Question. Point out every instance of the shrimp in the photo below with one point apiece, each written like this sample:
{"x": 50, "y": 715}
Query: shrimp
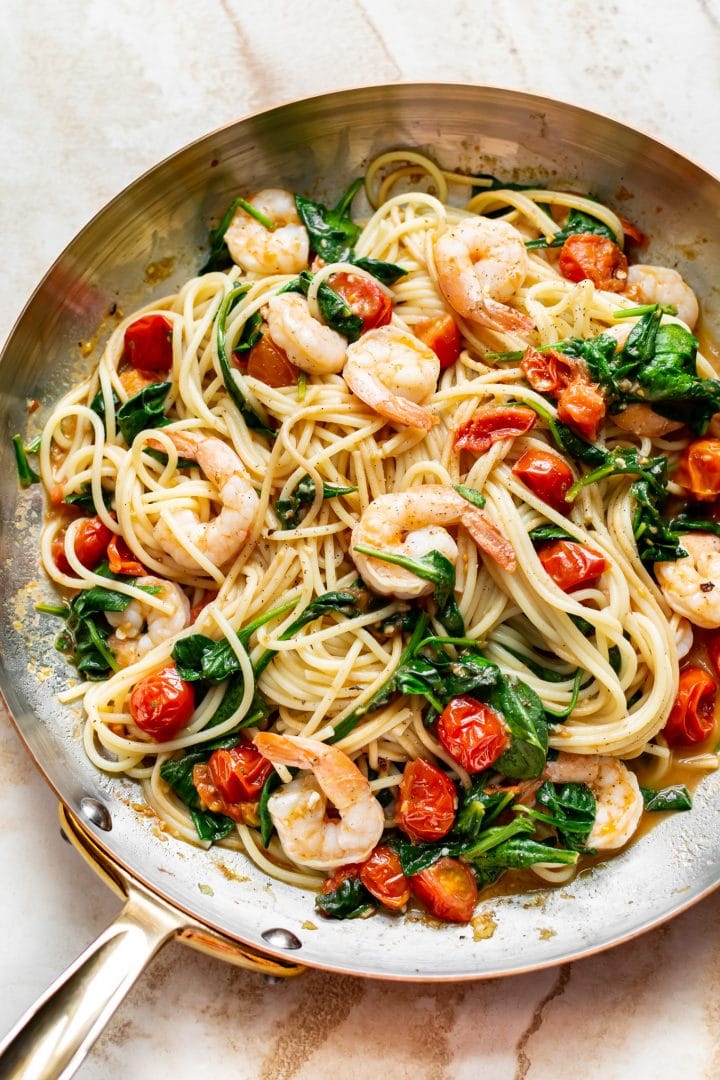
{"x": 128, "y": 642}
{"x": 691, "y": 585}
{"x": 297, "y": 810}
{"x": 616, "y": 790}
{"x": 309, "y": 344}
{"x": 412, "y": 524}
{"x": 481, "y": 263}
{"x": 221, "y": 538}
{"x": 661, "y": 285}
{"x": 394, "y": 373}
{"x": 283, "y": 250}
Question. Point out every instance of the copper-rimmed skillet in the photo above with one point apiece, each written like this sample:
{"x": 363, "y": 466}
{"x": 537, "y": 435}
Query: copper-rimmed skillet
{"x": 310, "y": 146}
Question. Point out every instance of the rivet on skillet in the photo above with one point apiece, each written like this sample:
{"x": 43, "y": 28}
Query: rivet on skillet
{"x": 283, "y": 939}
{"x": 96, "y": 813}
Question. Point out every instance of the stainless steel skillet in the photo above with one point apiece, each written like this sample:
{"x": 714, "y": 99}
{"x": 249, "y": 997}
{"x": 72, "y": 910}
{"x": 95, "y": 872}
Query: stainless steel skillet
{"x": 313, "y": 146}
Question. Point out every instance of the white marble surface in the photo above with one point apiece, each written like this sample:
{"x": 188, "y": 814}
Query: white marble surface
{"x": 92, "y": 92}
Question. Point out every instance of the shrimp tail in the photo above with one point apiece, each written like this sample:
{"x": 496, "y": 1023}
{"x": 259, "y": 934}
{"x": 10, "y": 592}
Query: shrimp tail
{"x": 490, "y": 540}
{"x": 497, "y": 316}
{"x": 402, "y": 411}
{"x": 280, "y": 750}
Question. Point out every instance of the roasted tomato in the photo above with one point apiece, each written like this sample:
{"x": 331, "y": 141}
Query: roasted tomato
{"x": 201, "y": 605}
{"x": 269, "y": 363}
{"x": 570, "y": 564}
{"x": 91, "y": 542}
{"x": 364, "y": 297}
{"x": 548, "y": 372}
{"x": 586, "y": 255}
{"x": 581, "y": 406}
{"x": 427, "y": 801}
{"x": 489, "y": 425}
{"x": 239, "y": 774}
{"x": 447, "y": 890}
{"x": 134, "y": 380}
{"x": 699, "y": 468}
{"x": 161, "y": 704}
{"x": 343, "y": 873}
{"x": 148, "y": 343}
{"x": 473, "y": 733}
{"x": 122, "y": 560}
{"x": 442, "y": 336}
{"x": 547, "y": 476}
{"x": 692, "y": 717}
{"x": 383, "y": 878}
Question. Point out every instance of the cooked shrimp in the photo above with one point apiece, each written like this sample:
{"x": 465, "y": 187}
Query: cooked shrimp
{"x": 413, "y": 523}
{"x": 297, "y": 810}
{"x": 481, "y": 263}
{"x": 309, "y": 344}
{"x": 394, "y": 373}
{"x": 661, "y": 285}
{"x": 691, "y": 585}
{"x": 283, "y": 250}
{"x": 128, "y": 642}
{"x": 616, "y": 790}
{"x": 222, "y": 537}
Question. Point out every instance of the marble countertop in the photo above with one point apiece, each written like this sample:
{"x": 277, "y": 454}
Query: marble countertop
{"x": 93, "y": 92}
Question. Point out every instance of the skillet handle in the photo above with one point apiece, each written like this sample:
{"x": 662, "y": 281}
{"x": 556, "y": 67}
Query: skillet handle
{"x": 52, "y": 1039}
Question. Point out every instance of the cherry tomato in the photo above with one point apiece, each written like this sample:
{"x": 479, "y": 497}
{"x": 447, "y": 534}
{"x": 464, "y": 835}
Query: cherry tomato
{"x": 201, "y": 605}
{"x": 692, "y": 717}
{"x": 442, "y": 336}
{"x": 586, "y": 255}
{"x": 91, "y": 541}
{"x": 699, "y": 468}
{"x": 239, "y": 774}
{"x": 547, "y": 476}
{"x": 244, "y": 812}
{"x": 269, "y": 363}
{"x": 122, "y": 560}
{"x": 570, "y": 564}
{"x": 364, "y": 298}
{"x": 447, "y": 889}
{"x": 473, "y": 733}
{"x": 342, "y": 873}
{"x": 162, "y": 703}
{"x": 427, "y": 801}
{"x": 548, "y": 372}
{"x": 383, "y": 878}
{"x": 134, "y": 380}
{"x": 148, "y": 343}
{"x": 581, "y": 406}
{"x": 489, "y": 425}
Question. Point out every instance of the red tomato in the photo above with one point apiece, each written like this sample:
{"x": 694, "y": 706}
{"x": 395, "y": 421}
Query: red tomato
{"x": 692, "y": 717}
{"x": 491, "y": 424}
{"x": 383, "y": 878}
{"x": 91, "y": 541}
{"x": 581, "y": 406}
{"x": 427, "y": 801}
{"x": 162, "y": 703}
{"x": 442, "y": 336}
{"x": 269, "y": 363}
{"x": 134, "y": 380}
{"x": 364, "y": 298}
{"x": 201, "y": 605}
{"x": 239, "y": 774}
{"x": 122, "y": 560}
{"x": 148, "y": 343}
{"x": 548, "y": 372}
{"x": 699, "y": 468}
{"x": 473, "y": 733}
{"x": 586, "y": 255}
{"x": 343, "y": 873}
{"x": 547, "y": 476}
{"x": 570, "y": 564}
{"x": 244, "y": 812}
{"x": 447, "y": 889}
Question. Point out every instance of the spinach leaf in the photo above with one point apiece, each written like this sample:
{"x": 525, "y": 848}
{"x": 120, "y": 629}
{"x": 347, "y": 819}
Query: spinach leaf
{"x": 566, "y": 440}
{"x": 259, "y": 709}
{"x": 335, "y": 311}
{"x": 266, "y": 823}
{"x": 549, "y": 532}
{"x": 570, "y": 809}
{"x": 142, "y": 411}
{"x": 200, "y": 657}
{"x": 478, "y": 807}
{"x": 219, "y": 257}
{"x": 474, "y": 497}
{"x": 577, "y": 222}
{"x": 332, "y": 232}
{"x": 676, "y": 797}
{"x": 98, "y": 404}
{"x": 386, "y": 272}
{"x": 432, "y": 567}
{"x": 82, "y": 498}
{"x": 26, "y": 474}
{"x": 177, "y": 772}
{"x": 350, "y": 900}
{"x": 684, "y": 523}
{"x": 521, "y": 852}
{"x": 233, "y": 379}
{"x": 292, "y": 510}
{"x": 414, "y": 858}
{"x": 249, "y": 335}
{"x": 524, "y": 715}
{"x": 346, "y": 602}
{"x": 657, "y": 540}
{"x": 556, "y": 715}
{"x": 210, "y": 826}
{"x": 542, "y": 672}
{"x": 622, "y": 461}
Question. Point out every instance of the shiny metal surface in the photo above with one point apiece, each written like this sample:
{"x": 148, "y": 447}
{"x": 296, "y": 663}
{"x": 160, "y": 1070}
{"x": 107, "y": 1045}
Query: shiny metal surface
{"x": 316, "y": 146}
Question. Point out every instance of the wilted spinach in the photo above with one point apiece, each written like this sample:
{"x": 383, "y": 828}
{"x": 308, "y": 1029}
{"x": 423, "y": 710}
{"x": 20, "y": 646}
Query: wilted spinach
{"x": 577, "y": 222}
{"x": 292, "y": 510}
{"x": 142, "y": 411}
{"x": 676, "y": 797}
{"x": 350, "y": 900}
{"x": 435, "y": 568}
{"x": 233, "y": 379}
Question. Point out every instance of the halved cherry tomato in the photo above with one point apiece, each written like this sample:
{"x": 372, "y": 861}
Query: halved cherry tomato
{"x": 548, "y": 372}
{"x": 201, "y": 605}
{"x": 342, "y": 873}
{"x": 122, "y": 560}
{"x": 243, "y": 811}
{"x": 570, "y": 564}
{"x": 489, "y": 425}
{"x": 162, "y": 703}
{"x": 547, "y": 476}
{"x": 442, "y": 336}
{"x": 581, "y": 406}
{"x": 364, "y": 298}
{"x": 269, "y": 363}
{"x": 239, "y": 774}
{"x": 134, "y": 380}
{"x": 472, "y": 733}
{"x": 692, "y": 717}
{"x": 383, "y": 878}
{"x": 427, "y": 801}
{"x": 699, "y": 468}
{"x": 91, "y": 541}
{"x": 447, "y": 889}
{"x": 148, "y": 343}
{"x": 586, "y": 255}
